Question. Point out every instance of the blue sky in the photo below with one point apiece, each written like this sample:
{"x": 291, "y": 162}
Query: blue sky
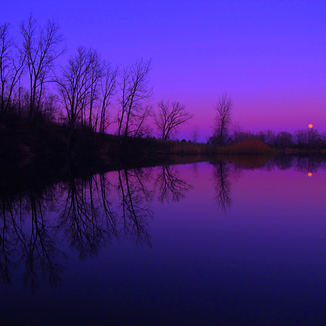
{"x": 268, "y": 55}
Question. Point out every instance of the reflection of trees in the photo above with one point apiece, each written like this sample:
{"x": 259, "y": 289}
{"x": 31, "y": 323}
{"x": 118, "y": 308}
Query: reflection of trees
{"x": 80, "y": 218}
{"x": 299, "y": 163}
{"x": 284, "y": 162}
{"x": 91, "y": 214}
{"x": 222, "y": 175}
{"x": 8, "y": 239}
{"x": 309, "y": 164}
{"x": 40, "y": 246}
{"x": 170, "y": 185}
{"x": 225, "y": 173}
{"x": 134, "y": 208}
{"x": 33, "y": 243}
{"x": 103, "y": 190}
{"x": 87, "y": 218}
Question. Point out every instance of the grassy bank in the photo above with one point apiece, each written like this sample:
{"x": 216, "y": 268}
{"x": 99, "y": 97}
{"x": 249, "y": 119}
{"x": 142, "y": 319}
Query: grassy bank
{"x": 161, "y": 147}
{"x": 27, "y": 142}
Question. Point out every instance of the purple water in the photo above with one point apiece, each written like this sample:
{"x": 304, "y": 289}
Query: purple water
{"x": 196, "y": 244}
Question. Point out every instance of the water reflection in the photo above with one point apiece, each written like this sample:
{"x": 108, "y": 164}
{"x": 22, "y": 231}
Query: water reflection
{"x": 39, "y": 251}
{"x": 298, "y": 163}
{"x": 169, "y": 184}
{"x": 93, "y": 212}
{"x": 89, "y": 214}
{"x": 135, "y": 210}
{"x": 81, "y": 219}
{"x": 222, "y": 182}
{"x": 34, "y": 245}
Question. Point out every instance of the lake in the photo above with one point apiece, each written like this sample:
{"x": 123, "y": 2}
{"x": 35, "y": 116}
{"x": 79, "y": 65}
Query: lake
{"x": 224, "y": 242}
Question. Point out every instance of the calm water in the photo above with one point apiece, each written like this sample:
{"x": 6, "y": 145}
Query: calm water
{"x": 200, "y": 244}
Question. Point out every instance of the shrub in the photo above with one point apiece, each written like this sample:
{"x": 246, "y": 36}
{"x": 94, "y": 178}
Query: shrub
{"x": 249, "y": 146}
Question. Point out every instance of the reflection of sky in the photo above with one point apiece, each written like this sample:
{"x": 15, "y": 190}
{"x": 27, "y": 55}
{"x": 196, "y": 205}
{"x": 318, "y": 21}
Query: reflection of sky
{"x": 263, "y": 261}
{"x": 287, "y": 195}
{"x": 268, "y": 55}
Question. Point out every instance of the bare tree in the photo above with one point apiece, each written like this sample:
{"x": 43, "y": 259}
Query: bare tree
{"x": 138, "y": 127}
{"x": 170, "y": 117}
{"x": 135, "y": 93}
{"x": 284, "y": 139}
{"x": 308, "y": 138}
{"x": 78, "y": 85}
{"x": 108, "y": 90}
{"x": 11, "y": 67}
{"x": 41, "y": 51}
{"x": 270, "y": 137}
{"x": 223, "y": 119}
{"x": 50, "y": 107}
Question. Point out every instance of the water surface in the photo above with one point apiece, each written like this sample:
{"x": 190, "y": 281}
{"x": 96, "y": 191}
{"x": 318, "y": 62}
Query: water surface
{"x": 214, "y": 243}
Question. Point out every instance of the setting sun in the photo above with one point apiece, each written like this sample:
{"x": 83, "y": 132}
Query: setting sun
{"x": 310, "y": 174}
{"x": 310, "y": 125}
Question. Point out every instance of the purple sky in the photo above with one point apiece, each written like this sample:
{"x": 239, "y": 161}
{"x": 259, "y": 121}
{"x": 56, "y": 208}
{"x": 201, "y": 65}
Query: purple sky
{"x": 268, "y": 55}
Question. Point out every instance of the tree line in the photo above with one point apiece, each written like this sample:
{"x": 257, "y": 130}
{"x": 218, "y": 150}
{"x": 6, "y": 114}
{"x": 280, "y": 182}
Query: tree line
{"x": 80, "y": 93}
{"x": 227, "y": 132}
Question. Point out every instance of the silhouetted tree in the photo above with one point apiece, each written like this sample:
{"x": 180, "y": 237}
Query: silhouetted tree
{"x": 135, "y": 93}
{"x": 267, "y": 136}
{"x": 270, "y": 137}
{"x": 41, "y": 51}
{"x": 12, "y": 62}
{"x": 308, "y": 138}
{"x": 107, "y": 91}
{"x": 284, "y": 139}
{"x": 223, "y": 119}
{"x": 50, "y": 107}
{"x": 77, "y": 84}
{"x": 170, "y": 117}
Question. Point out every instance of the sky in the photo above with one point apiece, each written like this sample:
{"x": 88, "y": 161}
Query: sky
{"x": 269, "y": 56}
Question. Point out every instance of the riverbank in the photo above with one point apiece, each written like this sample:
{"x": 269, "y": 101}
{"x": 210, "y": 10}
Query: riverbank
{"x": 24, "y": 142}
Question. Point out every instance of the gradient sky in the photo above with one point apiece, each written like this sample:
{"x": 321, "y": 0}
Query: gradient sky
{"x": 268, "y": 55}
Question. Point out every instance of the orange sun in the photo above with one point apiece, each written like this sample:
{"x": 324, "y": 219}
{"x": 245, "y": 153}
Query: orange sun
{"x": 310, "y": 125}
{"x": 310, "y": 174}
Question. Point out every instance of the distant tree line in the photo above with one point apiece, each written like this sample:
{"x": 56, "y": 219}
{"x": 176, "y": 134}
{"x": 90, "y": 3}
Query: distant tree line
{"x": 227, "y": 132}
{"x": 308, "y": 138}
